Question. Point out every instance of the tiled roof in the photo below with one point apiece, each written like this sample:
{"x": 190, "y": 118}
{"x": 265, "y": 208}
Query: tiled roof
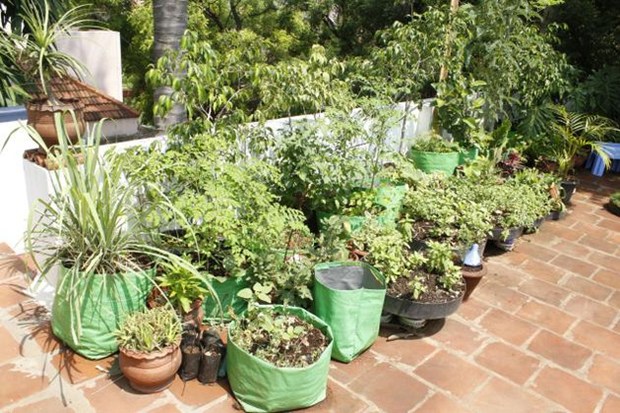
{"x": 97, "y": 105}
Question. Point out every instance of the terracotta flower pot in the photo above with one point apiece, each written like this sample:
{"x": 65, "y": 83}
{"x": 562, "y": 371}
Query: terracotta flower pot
{"x": 472, "y": 276}
{"x": 41, "y": 117}
{"x": 150, "y": 372}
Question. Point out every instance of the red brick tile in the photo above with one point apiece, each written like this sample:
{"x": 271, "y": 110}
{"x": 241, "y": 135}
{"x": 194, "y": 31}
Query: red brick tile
{"x": 612, "y": 404}
{"x": 35, "y": 320}
{"x": 12, "y": 266}
{"x": 574, "y": 394}
{"x": 472, "y": 309}
{"x": 500, "y": 296}
{"x": 347, "y": 372}
{"x": 588, "y": 228}
{"x": 544, "y": 291}
{"x": 170, "y": 408}
{"x": 508, "y": 361}
{"x": 606, "y": 373}
{"x": 20, "y": 381}
{"x": 459, "y": 337}
{"x": 12, "y": 293}
{"x": 574, "y": 249}
{"x": 599, "y": 244}
{"x": 115, "y": 395}
{"x": 575, "y": 265}
{"x": 610, "y": 224}
{"x": 559, "y": 230}
{"x": 193, "y": 393}
{"x": 507, "y": 326}
{"x": 543, "y": 271}
{"x": 588, "y": 309}
{"x": 9, "y": 348}
{"x": 377, "y": 385}
{"x": 451, "y": 373}
{"x": 597, "y": 338}
{"x": 229, "y": 405}
{"x": 614, "y": 300}
{"x": 586, "y": 287}
{"x": 532, "y": 249}
{"x": 604, "y": 260}
{"x": 500, "y": 396}
{"x": 559, "y": 350}
{"x": 410, "y": 352}
{"x": 504, "y": 274}
{"x": 338, "y": 400}
{"x": 50, "y": 405}
{"x": 76, "y": 369}
{"x": 440, "y": 403}
{"x": 543, "y": 315}
{"x": 512, "y": 259}
{"x": 608, "y": 277}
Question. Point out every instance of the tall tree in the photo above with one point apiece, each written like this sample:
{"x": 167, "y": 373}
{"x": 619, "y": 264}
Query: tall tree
{"x": 169, "y": 22}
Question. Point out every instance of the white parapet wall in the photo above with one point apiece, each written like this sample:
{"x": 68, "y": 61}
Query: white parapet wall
{"x": 100, "y": 52}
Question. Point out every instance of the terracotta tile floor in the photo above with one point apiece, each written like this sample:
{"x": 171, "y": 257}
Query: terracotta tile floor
{"x": 540, "y": 334}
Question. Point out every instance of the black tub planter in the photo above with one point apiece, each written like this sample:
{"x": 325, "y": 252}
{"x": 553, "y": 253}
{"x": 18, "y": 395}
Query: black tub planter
{"x": 260, "y": 386}
{"x": 535, "y": 226}
{"x": 408, "y": 310}
{"x": 508, "y": 242}
{"x": 568, "y": 189}
{"x": 556, "y": 215}
{"x": 613, "y": 208}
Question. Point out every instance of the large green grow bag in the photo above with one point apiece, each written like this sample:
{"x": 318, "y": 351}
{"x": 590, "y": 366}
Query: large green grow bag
{"x": 349, "y": 297}
{"x": 88, "y": 308}
{"x": 445, "y": 162}
{"x": 227, "y": 293}
{"x": 262, "y": 387}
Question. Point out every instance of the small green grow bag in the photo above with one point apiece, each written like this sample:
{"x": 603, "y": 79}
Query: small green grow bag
{"x": 468, "y": 155}
{"x": 88, "y": 308}
{"x": 445, "y": 162}
{"x": 262, "y": 387}
{"x": 349, "y": 297}
{"x": 227, "y": 293}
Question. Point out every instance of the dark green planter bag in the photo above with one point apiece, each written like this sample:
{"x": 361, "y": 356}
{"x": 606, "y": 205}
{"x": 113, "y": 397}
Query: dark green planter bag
{"x": 349, "y": 297}
{"x": 445, "y": 162}
{"x": 262, "y": 387}
{"x": 227, "y": 293}
{"x": 88, "y": 308}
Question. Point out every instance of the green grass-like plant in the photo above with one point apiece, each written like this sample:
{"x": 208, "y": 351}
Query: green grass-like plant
{"x": 150, "y": 330}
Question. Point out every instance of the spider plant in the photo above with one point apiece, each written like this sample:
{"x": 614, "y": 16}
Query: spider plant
{"x": 574, "y": 133}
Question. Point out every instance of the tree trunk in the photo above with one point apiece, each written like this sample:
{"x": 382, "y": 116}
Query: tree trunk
{"x": 169, "y": 22}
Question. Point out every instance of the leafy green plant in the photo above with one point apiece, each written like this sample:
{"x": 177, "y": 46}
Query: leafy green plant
{"x": 182, "y": 287}
{"x": 150, "y": 330}
{"x": 417, "y": 287}
{"x": 33, "y": 56}
{"x": 615, "y": 199}
{"x": 434, "y": 143}
{"x": 281, "y": 339}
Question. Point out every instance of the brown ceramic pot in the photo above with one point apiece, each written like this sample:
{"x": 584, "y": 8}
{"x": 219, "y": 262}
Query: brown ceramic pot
{"x": 150, "y": 372}
{"x": 472, "y": 276}
{"x": 41, "y": 118}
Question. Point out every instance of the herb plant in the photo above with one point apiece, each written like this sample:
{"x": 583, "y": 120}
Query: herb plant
{"x": 150, "y": 330}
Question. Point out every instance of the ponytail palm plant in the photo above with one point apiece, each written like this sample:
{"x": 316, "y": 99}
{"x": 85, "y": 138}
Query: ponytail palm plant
{"x": 574, "y": 133}
{"x": 92, "y": 228}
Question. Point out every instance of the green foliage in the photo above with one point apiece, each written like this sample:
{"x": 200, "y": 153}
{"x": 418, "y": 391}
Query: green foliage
{"x": 615, "y": 199}
{"x": 279, "y": 339}
{"x": 150, "y": 330}
{"x": 434, "y": 143}
{"x": 600, "y": 93}
{"x": 417, "y": 287}
{"x": 182, "y": 287}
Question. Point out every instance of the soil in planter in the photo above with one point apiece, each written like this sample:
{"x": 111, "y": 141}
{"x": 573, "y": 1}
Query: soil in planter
{"x": 273, "y": 347}
{"x": 400, "y": 288}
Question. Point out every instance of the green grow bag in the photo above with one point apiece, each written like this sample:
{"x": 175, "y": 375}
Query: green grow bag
{"x": 227, "y": 293}
{"x": 388, "y": 196}
{"x": 468, "y": 155}
{"x": 445, "y": 162}
{"x": 349, "y": 297}
{"x": 262, "y": 387}
{"x": 88, "y": 308}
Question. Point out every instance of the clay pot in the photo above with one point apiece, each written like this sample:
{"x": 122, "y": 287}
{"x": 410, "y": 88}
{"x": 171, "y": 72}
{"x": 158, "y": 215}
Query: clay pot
{"x": 472, "y": 276}
{"x": 150, "y": 372}
{"x": 41, "y": 117}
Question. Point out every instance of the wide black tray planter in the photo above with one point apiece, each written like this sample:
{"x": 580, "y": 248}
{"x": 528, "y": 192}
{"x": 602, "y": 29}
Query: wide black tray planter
{"x": 421, "y": 311}
{"x": 613, "y": 208}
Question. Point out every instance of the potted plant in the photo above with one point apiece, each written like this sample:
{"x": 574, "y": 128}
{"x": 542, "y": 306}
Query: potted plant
{"x": 614, "y": 203}
{"x": 473, "y": 270}
{"x": 432, "y": 289}
{"x": 433, "y": 153}
{"x": 278, "y": 358}
{"x": 149, "y": 354}
{"x": 92, "y": 229}
{"x": 572, "y": 134}
{"x": 37, "y": 62}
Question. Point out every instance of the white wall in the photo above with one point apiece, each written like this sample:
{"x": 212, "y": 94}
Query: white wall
{"x": 100, "y": 52}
